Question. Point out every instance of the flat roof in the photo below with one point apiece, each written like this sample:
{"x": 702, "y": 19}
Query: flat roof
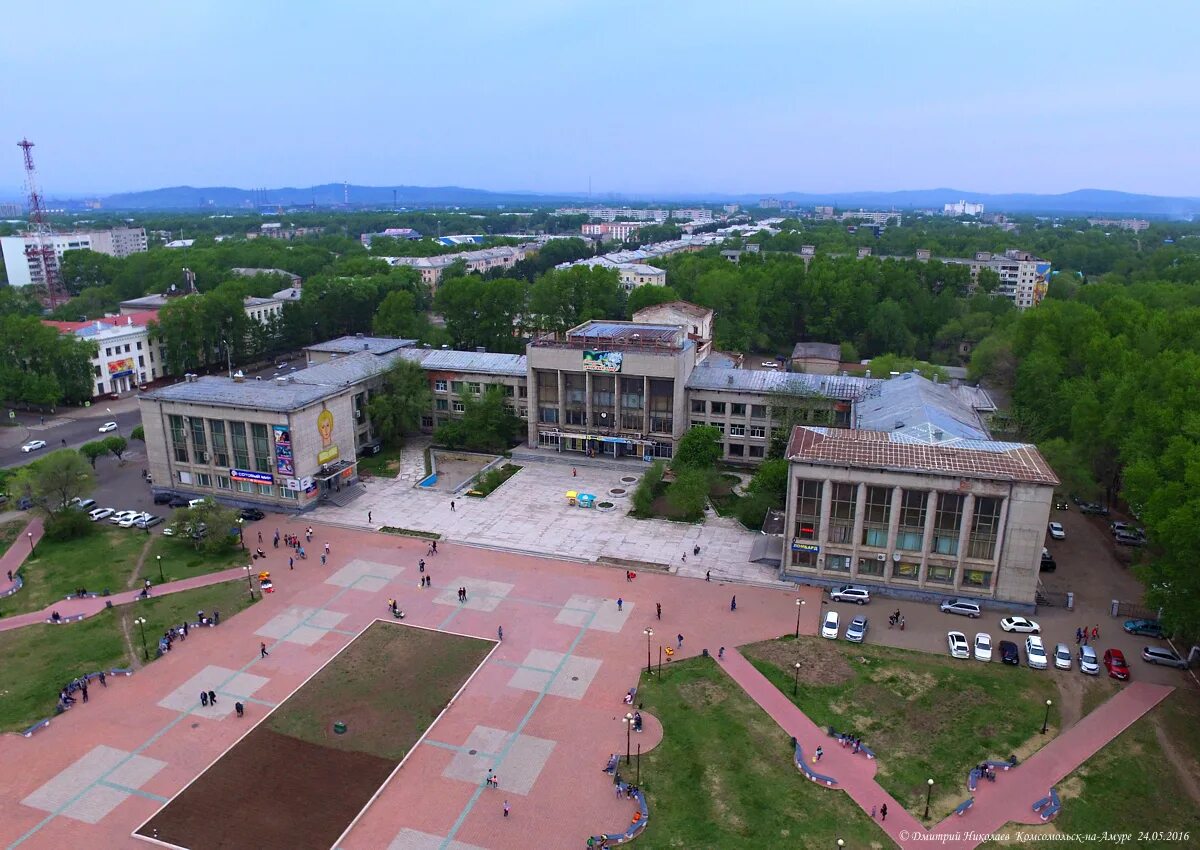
{"x": 476, "y": 362}
{"x": 351, "y": 344}
{"x": 626, "y": 332}
{"x": 279, "y": 396}
{"x": 825, "y": 350}
{"x": 985, "y": 459}
{"x": 765, "y": 381}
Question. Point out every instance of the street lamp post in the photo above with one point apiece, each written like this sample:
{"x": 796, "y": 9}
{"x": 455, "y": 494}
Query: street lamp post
{"x": 841, "y": 843}
{"x": 161, "y": 579}
{"x": 32, "y": 546}
{"x": 250, "y": 581}
{"x": 1046, "y": 720}
{"x": 660, "y": 659}
{"x": 141, "y": 621}
{"x": 799, "y": 605}
{"x": 928, "y": 794}
{"x": 649, "y": 634}
{"x": 628, "y": 718}
{"x": 796, "y": 681}
{"x": 638, "y": 780}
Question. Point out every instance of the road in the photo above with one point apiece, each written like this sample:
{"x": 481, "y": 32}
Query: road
{"x": 75, "y": 426}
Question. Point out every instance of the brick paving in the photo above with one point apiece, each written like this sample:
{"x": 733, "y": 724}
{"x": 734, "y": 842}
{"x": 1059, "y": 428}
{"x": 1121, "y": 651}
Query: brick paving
{"x": 19, "y": 551}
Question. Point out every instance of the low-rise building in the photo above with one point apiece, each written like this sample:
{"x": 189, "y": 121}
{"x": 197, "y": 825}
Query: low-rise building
{"x": 962, "y": 208}
{"x": 612, "y": 230}
{"x": 24, "y": 269}
{"x": 484, "y": 260}
{"x": 816, "y": 358}
{"x": 126, "y": 354}
{"x": 392, "y": 233}
{"x": 1135, "y": 224}
{"x": 276, "y": 230}
{"x": 259, "y": 309}
{"x": 294, "y": 279}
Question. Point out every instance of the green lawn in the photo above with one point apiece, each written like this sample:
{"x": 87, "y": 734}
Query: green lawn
{"x": 723, "y": 777}
{"x": 9, "y": 531}
{"x": 492, "y": 479}
{"x": 386, "y": 464}
{"x": 180, "y": 559}
{"x": 102, "y": 559}
{"x": 926, "y": 716}
{"x": 1135, "y": 785}
{"x": 40, "y": 659}
{"x": 387, "y": 687}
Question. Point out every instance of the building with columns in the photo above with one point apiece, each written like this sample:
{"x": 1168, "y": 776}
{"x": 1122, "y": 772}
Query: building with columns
{"x": 928, "y": 504}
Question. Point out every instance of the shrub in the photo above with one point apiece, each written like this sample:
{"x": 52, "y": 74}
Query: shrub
{"x": 68, "y": 525}
{"x": 648, "y": 489}
{"x": 688, "y": 494}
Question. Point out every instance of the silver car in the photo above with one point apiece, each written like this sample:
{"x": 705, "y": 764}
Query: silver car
{"x": 1088, "y": 662}
{"x": 1062, "y": 657}
{"x": 1163, "y": 656}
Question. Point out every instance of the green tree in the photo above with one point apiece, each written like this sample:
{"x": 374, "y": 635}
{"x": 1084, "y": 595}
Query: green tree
{"x": 55, "y": 480}
{"x": 93, "y": 451}
{"x": 688, "y": 493}
{"x": 648, "y": 489}
{"x": 648, "y": 296}
{"x": 38, "y": 365}
{"x": 138, "y": 433}
{"x": 116, "y": 444}
{"x": 486, "y": 425}
{"x": 398, "y": 316}
{"x": 698, "y": 448}
{"x": 396, "y": 408}
{"x": 211, "y": 526}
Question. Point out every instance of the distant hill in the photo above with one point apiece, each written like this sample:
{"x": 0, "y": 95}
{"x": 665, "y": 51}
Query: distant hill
{"x": 1081, "y": 202}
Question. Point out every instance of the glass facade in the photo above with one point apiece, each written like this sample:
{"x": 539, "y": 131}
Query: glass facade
{"x": 985, "y": 528}
{"x": 877, "y": 516}
{"x": 842, "y": 506}
{"x": 911, "y": 533}
{"x": 947, "y": 523}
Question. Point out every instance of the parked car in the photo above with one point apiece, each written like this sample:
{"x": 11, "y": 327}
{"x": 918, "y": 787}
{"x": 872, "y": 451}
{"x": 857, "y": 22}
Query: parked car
{"x": 1114, "y": 662}
{"x": 1093, "y": 508}
{"x": 178, "y": 502}
{"x": 195, "y": 503}
{"x": 252, "y": 514}
{"x": 1020, "y": 625}
{"x": 1057, "y": 531}
{"x": 1088, "y": 662}
{"x": 856, "y": 632}
{"x": 1008, "y": 653}
{"x": 960, "y": 606}
{"x": 24, "y": 503}
{"x": 829, "y": 626}
{"x": 100, "y": 513}
{"x": 1035, "y": 653}
{"x": 130, "y": 522}
{"x": 1127, "y": 527}
{"x": 33, "y": 446}
{"x": 120, "y": 516}
{"x": 1048, "y": 565}
{"x": 1127, "y": 538}
{"x": 957, "y": 642}
{"x": 1163, "y": 656}
{"x": 163, "y": 498}
{"x": 106, "y": 427}
{"x": 1146, "y": 628}
{"x": 148, "y": 521}
{"x": 851, "y": 593}
{"x": 983, "y": 647}
{"x": 83, "y": 504}
{"x": 1062, "y": 656}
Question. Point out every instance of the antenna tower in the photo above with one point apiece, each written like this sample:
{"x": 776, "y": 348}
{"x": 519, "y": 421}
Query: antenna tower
{"x": 42, "y": 259}
{"x": 346, "y": 192}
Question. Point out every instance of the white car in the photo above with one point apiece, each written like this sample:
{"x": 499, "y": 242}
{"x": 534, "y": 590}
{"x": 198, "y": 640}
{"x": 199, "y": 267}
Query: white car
{"x": 957, "y": 642}
{"x": 829, "y": 626}
{"x": 106, "y": 427}
{"x": 101, "y": 513}
{"x": 983, "y": 647}
{"x": 1057, "y": 531}
{"x": 131, "y": 521}
{"x": 1020, "y": 625}
{"x": 83, "y": 504}
{"x": 1035, "y": 653}
{"x": 851, "y": 593}
{"x": 33, "y": 446}
{"x": 1062, "y": 657}
{"x": 120, "y": 516}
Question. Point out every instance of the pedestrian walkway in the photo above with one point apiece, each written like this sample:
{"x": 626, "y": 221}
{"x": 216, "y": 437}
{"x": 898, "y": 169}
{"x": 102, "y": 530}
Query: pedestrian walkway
{"x": 1006, "y": 802}
{"x": 17, "y": 553}
{"x": 88, "y": 606}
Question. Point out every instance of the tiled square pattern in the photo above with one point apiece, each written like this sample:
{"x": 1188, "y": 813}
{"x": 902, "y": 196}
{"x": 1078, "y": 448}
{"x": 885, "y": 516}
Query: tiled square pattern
{"x": 482, "y": 595}
{"x": 370, "y": 576}
{"x": 300, "y": 625}
{"x": 230, "y": 684}
{"x": 541, "y": 671}
{"x": 517, "y": 761}
{"x": 594, "y": 613}
{"x": 73, "y": 791}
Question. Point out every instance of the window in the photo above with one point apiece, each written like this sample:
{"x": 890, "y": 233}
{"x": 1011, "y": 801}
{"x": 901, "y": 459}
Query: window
{"x": 457, "y": 387}
{"x": 842, "y": 505}
{"x": 178, "y": 440}
{"x": 549, "y": 441}
{"x": 870, "y": 567}
{"x": 548, "y": 415}
{"x": 911, "y": 534}
{"x": 756, "y": 451}
{"x": 474, "y": 387}
{"x": 441, "y": 404}
{"x": 266, "y": 490}
{"x": 262, "y": 447}
{"x": 662, "y": 402}
{"x": 199, "y": 449}
{"x": 439, "y": 386}
{"x": 522, "y": 391}
{"x": 758, "y": 432}
{"x": 241, "y": 452}
{"x": 736, "y": 409}
{"x": 223, "y": 483}
{"x": 837, "y": 563}
{"x": 737, "y": 430}
{"x": 547, "y": 387}
{"x": 907, "y": 570}
{"x": 426, "y": 421}
{"x": 737, "y": 450}
{"x": 126, "y": 348}
{"x": 108, "y": 352}
{"x": 99, "y": 387}
{"x": 289, "y": 494}
{"x": 203, "y": 479}
{"x": 142, "y": 360}
{"x": 459, "y": 407}
{"x": 697, "y": 405}
{"x": 877, "y": 515}
{"x": 939, "y": 574}
{"x": 245, "y": 487}
{"x": 947, "y": 522}
{"x": 696, "y": 423}
{"x": 96, "y": 371}
{"x": 758, "y": 411}
{"x": 717, "y": 407}
{"x": 720, "y": 426}
{"x": 977, "y": 578}
{"x": 808, "y": 509}
{"x": 139, "y": 346}
{"x": 985, "y": 527}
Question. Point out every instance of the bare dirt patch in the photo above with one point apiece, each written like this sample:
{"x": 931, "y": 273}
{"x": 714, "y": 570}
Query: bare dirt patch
{"x": 820, "y": 663}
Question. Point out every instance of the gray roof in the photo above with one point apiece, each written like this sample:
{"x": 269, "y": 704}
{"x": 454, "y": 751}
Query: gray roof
{"x": 148, "y": 302}
{"x": 254, "y": 301}
{"x": 770, "y": 381}
{"x": 256, "y": 395}
{"x": 477, "y": 362}
{"x": 353, "y": 344}
{"x": 825, "y": 350}
{"x": 914, "y": 409}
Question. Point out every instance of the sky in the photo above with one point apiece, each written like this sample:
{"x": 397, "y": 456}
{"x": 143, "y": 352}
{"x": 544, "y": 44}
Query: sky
{"x": 640, "y": 97}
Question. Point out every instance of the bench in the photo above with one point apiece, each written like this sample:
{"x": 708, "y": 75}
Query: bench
{"x": 961, "y": 808}
{"x": 973, "y": 779}
{"x": 1048, "y": 806}
{"x": 612, "y": 839}
{"x": 37, "y": 727}
{"x": 847, "y": 740}
{"x": 803, "y": 767}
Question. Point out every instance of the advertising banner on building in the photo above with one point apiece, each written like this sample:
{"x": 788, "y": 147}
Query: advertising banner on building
{"x": 283, "y": 450}
{"x": 601, "y": 361}
{"x": 252, "y": 476}
{"x": 120, "y": 368}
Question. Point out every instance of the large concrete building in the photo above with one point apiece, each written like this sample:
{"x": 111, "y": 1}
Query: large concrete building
{"x": 916, "y": 498}
{"x": 127, "y": 355}
{"x": 24, "y": 271}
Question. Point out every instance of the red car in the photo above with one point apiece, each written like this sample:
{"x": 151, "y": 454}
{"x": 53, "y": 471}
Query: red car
{"x": 1114, "y": 661}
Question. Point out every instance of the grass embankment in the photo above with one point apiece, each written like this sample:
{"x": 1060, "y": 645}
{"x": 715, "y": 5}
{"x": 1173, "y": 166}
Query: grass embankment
{"x": 925, "y": 716}
{"x": 386, "y": 464}
{"x": 102, "y": 559}
{"x": 41, "y": 659}
{"x": 493, "y": 478}
{"x": 724, "y": 776}
{"x": 9, "y": 531}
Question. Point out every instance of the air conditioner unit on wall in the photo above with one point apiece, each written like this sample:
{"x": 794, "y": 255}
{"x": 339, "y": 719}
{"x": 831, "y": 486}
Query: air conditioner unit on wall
{"x": 881, "y": 557}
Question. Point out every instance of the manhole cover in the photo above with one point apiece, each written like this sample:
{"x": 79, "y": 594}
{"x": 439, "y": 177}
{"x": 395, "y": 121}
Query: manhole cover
{"x": 472, "y": 752}
{"x": 574, "y": 678}
{"x": 195, "y": 725}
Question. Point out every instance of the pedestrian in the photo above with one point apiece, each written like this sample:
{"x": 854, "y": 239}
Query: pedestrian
{"x": 708, "y": 575}
{"x": 658, "y": 609}
{"x": 434, "y": 546}
{"x": 1096, "y": 633}
{"x": 506, "y": 808}
{"x": 500, "y": 632}
{"x": 322, "y": 559}
{"x": 721, "y": 654}
{"x": 326, "y": 549}
{"x": 679, "y": 638}
{"x": 573, "y": 472}
{"x": 902, "y": 623}
{"x": 620, "y": 604}
{"x": 309, "y": 532}
{"x": 627, "y": 577}
{"x": 369, "y": 519}
{"x": 1078, "y": 636}
{"x": 204, "y": 698}
{"x": 488, "y": 779}
{"x": 421, "y": 565}
{"x": 216, "y": 617}
{"x": 260, "y": 537}
{"x": 733, "y": 603}
{"x": 451, "y": 506}
{"x": 10, "y": 575}
{"x": 820, "y": 752}
{"x": 212, "y": 697}
{"x": 239, "y": 708}
{"x": 83, "y": 688}
{"x": 883, "y": 812}
{"x": 103, "y": 680}
{"x": 147, "y": 584}
{"x": 291, "y": 563}
{"x": 873, "y": 812}
{"x": 262, "y": 650}
{"x": 684, "y": 558}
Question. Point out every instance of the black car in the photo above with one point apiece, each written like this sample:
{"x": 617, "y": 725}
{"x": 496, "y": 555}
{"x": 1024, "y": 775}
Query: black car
{"x": 1009, "y": 653}
{"x": 163, "y": 498}
{"x": 252, "y": 514}
{"x": 1049, "y": 565}
{"x": 178, "y": 502}
{"x": 1093, "y": 508}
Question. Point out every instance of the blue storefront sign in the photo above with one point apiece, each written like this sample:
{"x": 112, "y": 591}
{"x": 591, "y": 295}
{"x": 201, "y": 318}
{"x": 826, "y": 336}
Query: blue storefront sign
{"x": 805, "y": 547}
{"x": 251, "y": 475}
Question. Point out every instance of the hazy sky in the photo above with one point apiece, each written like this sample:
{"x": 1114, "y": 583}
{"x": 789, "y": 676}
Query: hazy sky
{"x": 641, "y": 96}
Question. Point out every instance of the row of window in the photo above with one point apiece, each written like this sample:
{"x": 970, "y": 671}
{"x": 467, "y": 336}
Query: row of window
{"x": 900, "y": 570}
{"x": 718, "y": 408}
{"x": 230, "y": 441}
{"x": 755, "y": 432}
{"x": 440, "y": 385}
{"x": 223, "y": 482}
{"x": 108, "y": 352}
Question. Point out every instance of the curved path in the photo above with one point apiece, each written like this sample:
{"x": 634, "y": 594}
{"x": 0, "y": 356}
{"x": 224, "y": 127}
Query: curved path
{"x": 1001, "y": 804}
{"x": 18, "y": 552}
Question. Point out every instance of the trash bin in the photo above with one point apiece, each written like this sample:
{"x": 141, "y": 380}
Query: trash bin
{"x": 1070, "y": 601}
{"x": 1115, "y": 605}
